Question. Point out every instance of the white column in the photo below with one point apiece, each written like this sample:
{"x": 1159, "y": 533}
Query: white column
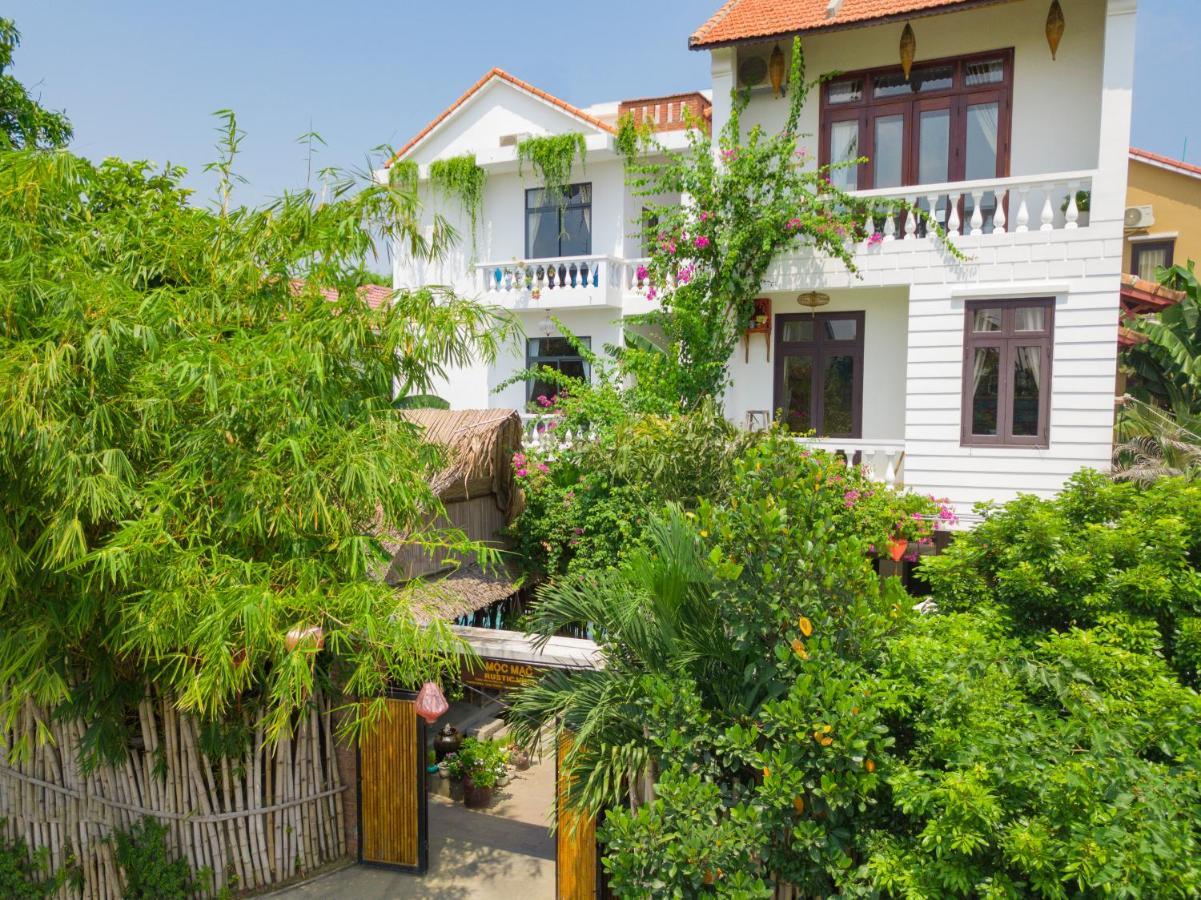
{"x": 1108, "y": 201}
{"x": 721, "y": 68}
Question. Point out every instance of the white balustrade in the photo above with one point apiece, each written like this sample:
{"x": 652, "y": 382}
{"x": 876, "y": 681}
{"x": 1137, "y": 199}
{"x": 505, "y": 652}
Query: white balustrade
{"x": 884, "y": 461}
{"x": 545, "y": 432}
{"x": 539, "y": 276}
{"x": 990, "y": 206}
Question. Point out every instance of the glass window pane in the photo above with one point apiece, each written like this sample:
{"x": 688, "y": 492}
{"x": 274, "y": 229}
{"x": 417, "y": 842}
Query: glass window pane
{"x": 982, "y": 136}
{"x": 797, "y": 401}
{"x": 542, "y": 234}
{"x": 841, "y": 329}
{"x": 838, "y": 396}
{"x": 1030, "y": 318}
{"x": 574, "y": 368}
{"x": 985, "y": 387}
{"x": 986, "y": 320}
{"x": 799, "y": 331}
{"x": 1149, "y": 261}
{"x": 848, "y": 91}
{"x": 891, "y": 84}
{"x": 934, "y": 150}
{"x": 844, "y": 147}
{"x": 890, "y": 151}
{"x": 989, "y": 71}
{"x": 933, "y": 78}
{"x": 576, "y": 237}
{"x": 535, "y": 198}
{"x": 1027, "y": 388}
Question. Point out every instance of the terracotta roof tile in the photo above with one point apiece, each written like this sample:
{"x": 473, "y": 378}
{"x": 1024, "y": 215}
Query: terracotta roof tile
{"x": 1180, "y": 165}
{"x": 516, "y": 82}
{"x": 741, "y": 20}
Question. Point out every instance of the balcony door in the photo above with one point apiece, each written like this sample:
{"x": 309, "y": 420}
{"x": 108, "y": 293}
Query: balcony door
{"x": 819, "y": 373}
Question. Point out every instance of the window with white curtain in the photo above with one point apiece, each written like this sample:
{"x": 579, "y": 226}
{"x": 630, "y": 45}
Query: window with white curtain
{"x": 1008, "y": 346}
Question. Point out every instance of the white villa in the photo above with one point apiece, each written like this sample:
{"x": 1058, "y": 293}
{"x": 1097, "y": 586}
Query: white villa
{"x": 970, "y": 380}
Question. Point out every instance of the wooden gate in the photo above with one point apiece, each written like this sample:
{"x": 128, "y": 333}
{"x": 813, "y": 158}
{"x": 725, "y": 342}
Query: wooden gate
{"x": 393, "y": 828}
{"x": 577, "y": 867}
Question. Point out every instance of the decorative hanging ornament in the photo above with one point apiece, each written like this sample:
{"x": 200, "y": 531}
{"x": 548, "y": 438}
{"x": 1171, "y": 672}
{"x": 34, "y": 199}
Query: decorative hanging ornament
{"x": 813, "y": 299}
{"x": 430, "y": 702}
{"x": 908, "y": 49}
{"x": 1055, "y": 27}
{"x": 775, "y": 70}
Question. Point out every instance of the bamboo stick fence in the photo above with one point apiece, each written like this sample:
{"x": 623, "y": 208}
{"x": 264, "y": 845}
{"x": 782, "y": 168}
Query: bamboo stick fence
{"x": 272, "y": 814}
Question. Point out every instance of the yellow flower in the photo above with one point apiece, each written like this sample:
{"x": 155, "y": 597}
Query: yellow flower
{"x": 799, "y": 648}
{"x": 806, "y": 626}
{"x": 826, "y": 741}
{"x": 798, "y": 803}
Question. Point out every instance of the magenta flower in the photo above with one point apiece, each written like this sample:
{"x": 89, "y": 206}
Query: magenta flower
{"x": 641, "y": 273}
{"x": 701, "y": 242}
{"x": 706, "y": 216}
{"x": 850, "y": 497}
{"x": 728, "y": 155}
{"x": 793, "y": 225}
{"x": 543, "y": 401}
{"x": 521, "y": 473}
{"x": 518, "y": 459}
{"x": 543, "y": 468}
{"x": 876, "y": 238}
{"x": 651, "y": 293}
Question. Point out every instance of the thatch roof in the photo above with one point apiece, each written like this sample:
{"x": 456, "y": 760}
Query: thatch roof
{"x": 460, "y": 593}
{"x": 480, "y": 444}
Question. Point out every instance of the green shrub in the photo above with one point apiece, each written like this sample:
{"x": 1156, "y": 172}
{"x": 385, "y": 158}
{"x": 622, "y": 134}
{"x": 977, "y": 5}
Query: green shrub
{"x": 25, "y": 875}
{"x": 152, "y": 872}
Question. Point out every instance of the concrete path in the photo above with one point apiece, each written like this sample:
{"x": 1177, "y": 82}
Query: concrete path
{"x": 502, "y": 853}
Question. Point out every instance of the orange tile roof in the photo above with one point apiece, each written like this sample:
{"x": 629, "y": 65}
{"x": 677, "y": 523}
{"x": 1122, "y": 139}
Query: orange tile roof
{"x": 516, "y": 82}
{"x": 742, "y": 20}
{"x": 1148, "y": 156}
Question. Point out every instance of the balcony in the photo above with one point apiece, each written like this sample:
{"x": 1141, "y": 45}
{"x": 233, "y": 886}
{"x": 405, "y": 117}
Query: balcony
{"x": 562, "y": 283}
{"x": 883, "y": 461}
{"x": 1042, "y": 203}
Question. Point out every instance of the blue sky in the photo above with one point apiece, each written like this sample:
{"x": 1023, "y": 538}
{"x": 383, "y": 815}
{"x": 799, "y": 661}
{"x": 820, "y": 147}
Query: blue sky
{"x": 141, "y": 79}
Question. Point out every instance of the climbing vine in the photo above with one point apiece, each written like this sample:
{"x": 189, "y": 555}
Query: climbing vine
{"x": 461, "y": 178}
{"x": 552, "y": 158}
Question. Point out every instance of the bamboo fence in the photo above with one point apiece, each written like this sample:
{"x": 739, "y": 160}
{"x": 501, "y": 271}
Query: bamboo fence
{"x": 272, "y": 814}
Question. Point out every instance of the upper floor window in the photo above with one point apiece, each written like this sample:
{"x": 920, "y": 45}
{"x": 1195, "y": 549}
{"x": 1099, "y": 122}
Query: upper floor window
{"x": 1007, "y": 373}
{"x": 949, "y": 122}
{"x": 558, "y": 229}
{"x": 1147, "y": 257}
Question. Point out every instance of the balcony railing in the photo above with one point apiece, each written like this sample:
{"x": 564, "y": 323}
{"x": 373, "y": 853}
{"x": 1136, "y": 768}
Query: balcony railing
{"x": 990, "y": 206}
{"x": 562, "y": 282}
{"x": 884, "y": 461}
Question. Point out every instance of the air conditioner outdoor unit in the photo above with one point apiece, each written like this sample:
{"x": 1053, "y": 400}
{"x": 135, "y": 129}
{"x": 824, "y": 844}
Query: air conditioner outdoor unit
{"x": 752, "y": 72}
{"x": 1139, "y": 217}
{"x": 512, "y": 140}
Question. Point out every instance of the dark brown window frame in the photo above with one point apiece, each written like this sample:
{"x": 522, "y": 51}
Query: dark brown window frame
{"x": 1006, "y": 340}
{"x": 957, "y": 99}
{"x": 818, "y": 348}
{"x": 1139, "y": 247}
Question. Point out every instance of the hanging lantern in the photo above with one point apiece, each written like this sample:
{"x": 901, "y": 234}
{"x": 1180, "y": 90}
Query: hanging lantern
{"x": 1055, "y": 27}
{"x": 775, "y": 70}
{"x": 430, "y": 702}
{"x": 908, "y": 49}
{"x": 813, "y": 299}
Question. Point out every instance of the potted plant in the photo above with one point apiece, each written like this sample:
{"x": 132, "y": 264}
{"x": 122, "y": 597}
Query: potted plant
{"x": 519, "y": 758}
{"x": 431, "y": 762}
{"x": 477, "y": 787}
{"x": 456, "y": 769}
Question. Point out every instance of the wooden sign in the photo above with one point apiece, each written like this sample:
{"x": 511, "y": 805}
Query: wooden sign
{"x": 500, "y": 674}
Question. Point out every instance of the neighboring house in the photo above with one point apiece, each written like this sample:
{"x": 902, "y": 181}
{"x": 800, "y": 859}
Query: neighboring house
{"x": 1163, "y": 219}
{"x": 971, "y": 380}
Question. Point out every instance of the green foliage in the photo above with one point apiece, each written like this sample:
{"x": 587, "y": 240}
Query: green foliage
{"x": 25, "y": 875}
{"x": 1152, "y": 444}
{"x": 24, "y": 123}
{"x": 152, "y": 872}
{"x": 552, "y": 157}
{"x": 460, "y": 178}
{"x": 481, "y": 761}
{"x": 1166, "y": 367}
{"x": 1103, "y": 555}
{"x": 198, "y": 445}
{"x": 751, "y": 198}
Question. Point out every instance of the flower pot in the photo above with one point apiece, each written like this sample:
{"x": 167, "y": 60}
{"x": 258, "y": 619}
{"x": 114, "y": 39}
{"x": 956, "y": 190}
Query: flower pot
{"x": 897, "y": 548}
{"x": 447, "y": 741}
{"x": 475, "y": 797}
{"x": 456, "y": 789}
{"x": 502, "y": 779}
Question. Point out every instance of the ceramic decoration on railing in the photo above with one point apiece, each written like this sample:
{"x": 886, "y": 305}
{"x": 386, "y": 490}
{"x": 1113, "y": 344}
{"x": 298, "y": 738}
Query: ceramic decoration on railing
{"x": 883, "y": 461}
{"x": 544, "y": 431}
{"x": 538, "y": 276}
{"x": 990, "y": 206}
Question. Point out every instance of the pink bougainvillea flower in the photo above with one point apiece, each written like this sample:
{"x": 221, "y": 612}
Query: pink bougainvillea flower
{"x": 875, "y": 238}
{"x": 641, "y": 273}
{"x": 685, "y": 275}
{"x": 651, "y": 293}
{"x": 706, "y": 216}
{"x": 521, "y": 473}
{"x": 701, "y": 242}
{"x": 542, "y": 401}
{"x": 543, "y": 468}
{"x": 793, "y": 224}
{"x": 850, "y": 497}
{"x": 730, "y": 154}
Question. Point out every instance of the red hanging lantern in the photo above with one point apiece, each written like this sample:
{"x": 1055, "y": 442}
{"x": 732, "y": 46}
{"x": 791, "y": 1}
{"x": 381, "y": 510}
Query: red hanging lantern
{"x": 430, "y": 702}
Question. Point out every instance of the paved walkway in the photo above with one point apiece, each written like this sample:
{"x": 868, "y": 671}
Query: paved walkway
{"x": 503, "y": 853}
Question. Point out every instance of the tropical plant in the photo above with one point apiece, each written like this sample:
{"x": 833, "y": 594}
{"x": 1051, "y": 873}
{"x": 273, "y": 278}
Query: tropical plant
{"x": 552, "y": 157}
{"x": 198, "y": 444}
{"x": 1151, "y": 444}
{"x": 1166, "y": 365}
{"x": 461, "y": 178}
{"x": 24, "y": 122}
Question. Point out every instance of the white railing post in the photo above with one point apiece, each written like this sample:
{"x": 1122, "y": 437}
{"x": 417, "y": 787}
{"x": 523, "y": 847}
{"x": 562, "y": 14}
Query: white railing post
{"x": 999, "y": 218}
{"x": 1048, "y": 216}
{"x": 1071, "y": 222}
{"x": 954, "y": 223}
{"x": 977, "y": 213}
{"x": 1023, "y": 210}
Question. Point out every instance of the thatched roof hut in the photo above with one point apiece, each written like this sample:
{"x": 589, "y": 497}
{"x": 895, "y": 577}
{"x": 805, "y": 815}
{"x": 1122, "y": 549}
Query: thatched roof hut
{"x": 481, "y": 498}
